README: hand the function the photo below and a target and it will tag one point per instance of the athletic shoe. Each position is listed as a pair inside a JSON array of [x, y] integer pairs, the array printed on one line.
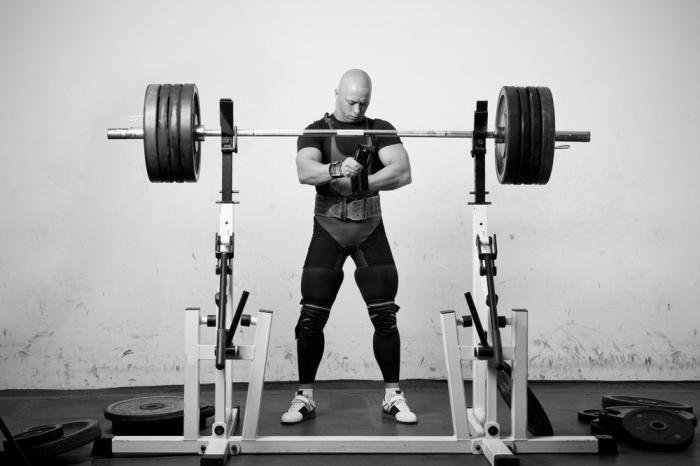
[[303, 407], [395, 405]]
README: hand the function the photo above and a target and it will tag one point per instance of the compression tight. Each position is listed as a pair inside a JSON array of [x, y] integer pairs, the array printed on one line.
[[377, 279]]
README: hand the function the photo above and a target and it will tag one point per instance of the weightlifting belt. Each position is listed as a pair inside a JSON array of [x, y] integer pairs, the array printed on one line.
[[344, 209]]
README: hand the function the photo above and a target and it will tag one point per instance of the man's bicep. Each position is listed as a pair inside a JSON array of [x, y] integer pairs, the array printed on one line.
[[394, 154], [308, 154]]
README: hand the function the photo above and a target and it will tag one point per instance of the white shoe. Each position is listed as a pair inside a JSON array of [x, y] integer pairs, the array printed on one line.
[[302, 407], [395, 405]]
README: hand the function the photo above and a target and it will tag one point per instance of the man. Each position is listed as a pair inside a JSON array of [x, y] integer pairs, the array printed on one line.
[[348, 222]]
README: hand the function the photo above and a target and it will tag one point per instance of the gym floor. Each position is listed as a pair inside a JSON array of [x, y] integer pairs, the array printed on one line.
[[352, 408]]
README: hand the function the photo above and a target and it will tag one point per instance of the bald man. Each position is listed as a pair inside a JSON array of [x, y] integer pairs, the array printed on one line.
[[348, 222]]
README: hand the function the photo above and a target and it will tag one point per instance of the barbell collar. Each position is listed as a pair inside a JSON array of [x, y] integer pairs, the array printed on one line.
[[201, 133]]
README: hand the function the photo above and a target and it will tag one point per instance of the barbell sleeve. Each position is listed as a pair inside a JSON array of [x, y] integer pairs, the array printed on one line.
[[201, 132]]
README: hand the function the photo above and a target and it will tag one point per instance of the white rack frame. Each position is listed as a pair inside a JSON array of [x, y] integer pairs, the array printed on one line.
[[474, 430]]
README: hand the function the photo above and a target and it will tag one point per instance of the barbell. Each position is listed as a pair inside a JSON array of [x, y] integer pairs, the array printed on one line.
[[524, 134]]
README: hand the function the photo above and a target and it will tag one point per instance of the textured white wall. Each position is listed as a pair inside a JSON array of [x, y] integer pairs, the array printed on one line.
[[97, 264]]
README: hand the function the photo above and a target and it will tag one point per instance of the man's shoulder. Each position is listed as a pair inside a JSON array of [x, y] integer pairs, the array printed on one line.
[[378, 123], [318, 124]]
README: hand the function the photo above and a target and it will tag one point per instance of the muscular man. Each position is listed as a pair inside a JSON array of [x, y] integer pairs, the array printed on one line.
[[348, 222]]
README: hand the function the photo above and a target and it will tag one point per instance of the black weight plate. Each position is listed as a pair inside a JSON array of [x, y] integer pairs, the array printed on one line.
[[587, 415], [507, 147], [174, 133], [172, 426], [147, 408], [524, 176], [613, 415], [658, 429], [75, 434], [535, 134], [163, 137], [38, 434], [626, 400], [189, 120], [537, 421], [151, 408], [150, 131], [547, 159]]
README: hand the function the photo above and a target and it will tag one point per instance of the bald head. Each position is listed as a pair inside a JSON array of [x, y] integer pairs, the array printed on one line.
[[352, 96]]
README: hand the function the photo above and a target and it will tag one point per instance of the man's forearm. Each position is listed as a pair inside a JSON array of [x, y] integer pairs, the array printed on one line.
[[314, 173], [388, 178]]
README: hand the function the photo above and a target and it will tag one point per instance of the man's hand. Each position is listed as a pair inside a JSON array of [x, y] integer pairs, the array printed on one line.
[[341, 186], [350, 167]]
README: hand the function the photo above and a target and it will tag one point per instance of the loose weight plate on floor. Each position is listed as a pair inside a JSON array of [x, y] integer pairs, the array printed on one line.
[[658, 429], [152, 415], [75, 434], [614, 415], [627, 400], [38, 434]]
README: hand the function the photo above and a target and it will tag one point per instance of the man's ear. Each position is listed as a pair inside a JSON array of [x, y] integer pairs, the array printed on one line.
[[336, 92]]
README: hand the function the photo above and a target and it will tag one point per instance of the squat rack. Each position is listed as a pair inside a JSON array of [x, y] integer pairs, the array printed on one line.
[[475, 430]]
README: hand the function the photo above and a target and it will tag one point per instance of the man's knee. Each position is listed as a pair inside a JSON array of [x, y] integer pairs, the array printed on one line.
[[319, 288], [383, 317]]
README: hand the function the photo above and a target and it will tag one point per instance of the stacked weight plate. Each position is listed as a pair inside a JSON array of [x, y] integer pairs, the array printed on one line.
[[152, 415], [524, 135], [645, 422], [170, 117], [44, 441]]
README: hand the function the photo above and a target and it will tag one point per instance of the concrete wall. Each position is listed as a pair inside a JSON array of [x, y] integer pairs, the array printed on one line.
[[97, 264]]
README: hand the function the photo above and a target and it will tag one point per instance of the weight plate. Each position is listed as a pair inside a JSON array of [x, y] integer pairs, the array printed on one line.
[[507, 147], [163, 138], [587, 415], [150, 131], [174, 132], [189, 120], [524, 175], [150, 408], [537, 421], [38, 434], [535, 134], [547, 159], [625, 400], [75, 434], [658, 429], [613, 415], [173, 426]]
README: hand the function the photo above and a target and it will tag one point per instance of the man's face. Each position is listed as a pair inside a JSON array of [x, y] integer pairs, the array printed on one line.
[[351, 104]]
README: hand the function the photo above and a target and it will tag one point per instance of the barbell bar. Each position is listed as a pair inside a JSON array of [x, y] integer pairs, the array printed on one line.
[[201, 133], [524, 150]]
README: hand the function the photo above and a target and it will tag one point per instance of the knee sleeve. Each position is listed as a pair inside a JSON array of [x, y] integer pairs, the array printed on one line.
[[383, 317], [378, 285], [319, 288]]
